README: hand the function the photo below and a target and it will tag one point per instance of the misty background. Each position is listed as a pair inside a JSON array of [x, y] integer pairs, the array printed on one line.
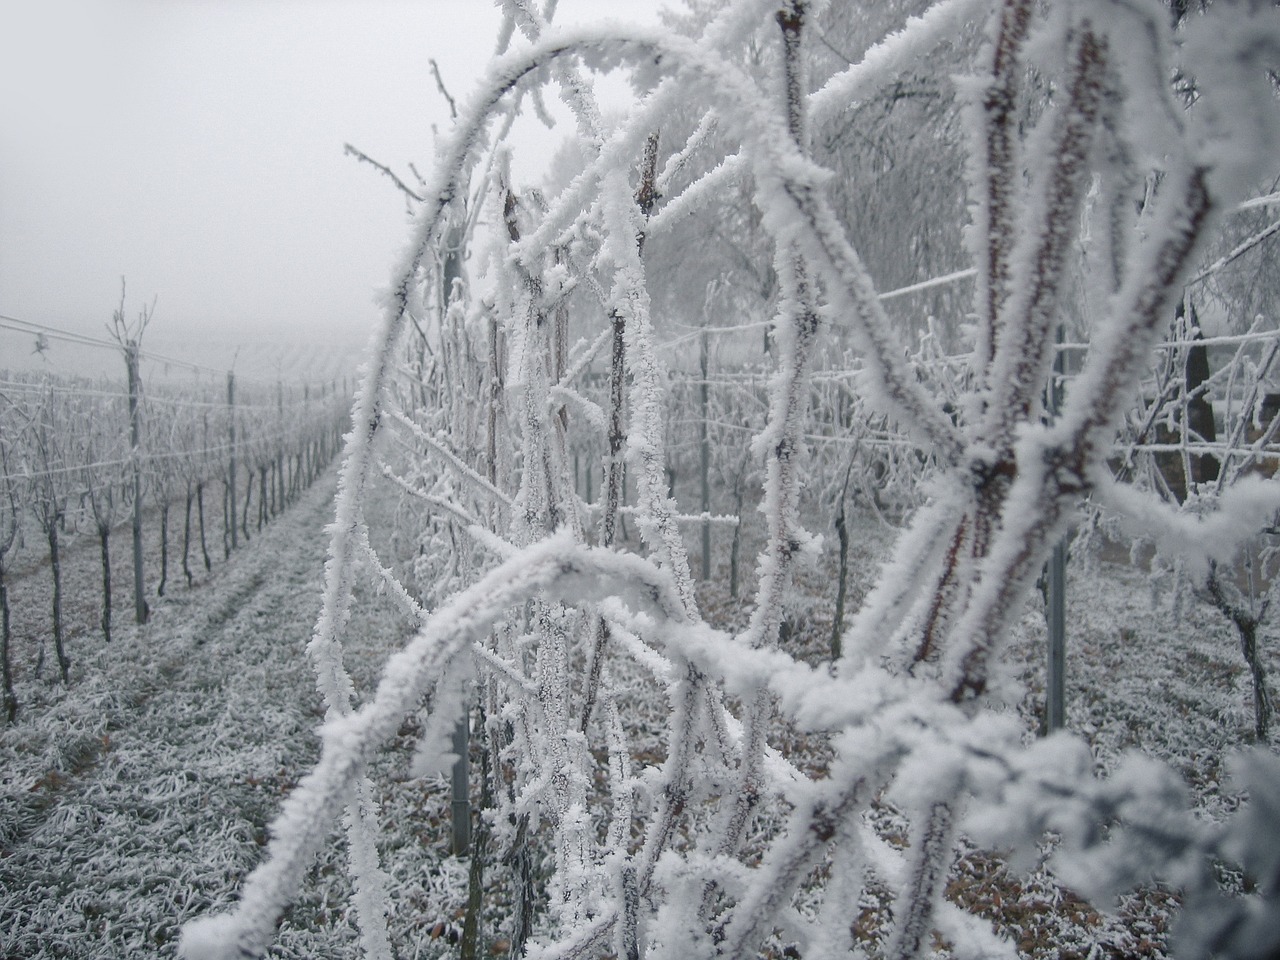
[[196, 149]]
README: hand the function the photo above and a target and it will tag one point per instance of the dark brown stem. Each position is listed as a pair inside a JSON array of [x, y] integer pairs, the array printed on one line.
[[6, 662], [164, 549], [104, 543], [186, 539]]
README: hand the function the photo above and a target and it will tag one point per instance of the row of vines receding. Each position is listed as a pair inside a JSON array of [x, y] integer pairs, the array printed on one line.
[[188, 468]]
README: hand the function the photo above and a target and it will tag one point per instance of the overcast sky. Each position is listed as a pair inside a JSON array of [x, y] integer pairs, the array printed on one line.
[[195, 148]]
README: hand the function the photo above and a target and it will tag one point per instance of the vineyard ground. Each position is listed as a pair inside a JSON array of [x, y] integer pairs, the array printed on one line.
[[139, 797]]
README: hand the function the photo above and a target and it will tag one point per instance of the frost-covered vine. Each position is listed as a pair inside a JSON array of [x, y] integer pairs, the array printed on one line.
[[633, 800]]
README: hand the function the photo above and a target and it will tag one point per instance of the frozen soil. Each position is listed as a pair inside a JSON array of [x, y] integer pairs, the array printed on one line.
[[1157, 672], [138, 798]]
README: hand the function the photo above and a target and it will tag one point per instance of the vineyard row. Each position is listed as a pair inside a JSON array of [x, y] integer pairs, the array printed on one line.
[[81, 461]]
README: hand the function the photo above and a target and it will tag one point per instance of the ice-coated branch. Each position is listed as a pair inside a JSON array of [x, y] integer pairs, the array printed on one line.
[[1053, 466], [678, 160], [786, 188], [1024, 341], [820, 816], [383, 169], [645, 443], [1234, 462], [879, 66], [796, 329], [700, 194], [555, 569], [1197, 541], [993, 171], [478, 532], [391, 582], [452, 459], [1137, 313], [854, 301], [575, 90], [729, 26], [893, 56], [1235, 253], [928, 867], [325, 647]]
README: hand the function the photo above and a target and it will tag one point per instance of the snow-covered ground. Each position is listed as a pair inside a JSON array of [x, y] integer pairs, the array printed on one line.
[[137, 799]]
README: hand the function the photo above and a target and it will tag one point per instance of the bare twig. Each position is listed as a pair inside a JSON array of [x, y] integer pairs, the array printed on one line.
[[383, 169], [453, 106]]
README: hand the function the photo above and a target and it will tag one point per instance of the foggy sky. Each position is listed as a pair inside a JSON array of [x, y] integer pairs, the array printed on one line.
[[195, 148]]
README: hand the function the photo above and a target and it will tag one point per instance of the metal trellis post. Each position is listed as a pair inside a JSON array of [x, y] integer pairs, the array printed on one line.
[[1056, 598]]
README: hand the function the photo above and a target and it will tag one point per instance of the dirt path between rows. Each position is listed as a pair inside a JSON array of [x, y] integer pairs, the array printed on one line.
[[137, 798]]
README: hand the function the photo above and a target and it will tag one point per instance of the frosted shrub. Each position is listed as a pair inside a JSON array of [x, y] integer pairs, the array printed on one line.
[[710, 841]]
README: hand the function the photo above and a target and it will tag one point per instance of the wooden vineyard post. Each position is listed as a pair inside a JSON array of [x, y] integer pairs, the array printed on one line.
[[231, 468], [140, 608], [460, 793], [704, 451], [460, 799], [8, 537], [129, 338], [1056, 683], [1055, 701]]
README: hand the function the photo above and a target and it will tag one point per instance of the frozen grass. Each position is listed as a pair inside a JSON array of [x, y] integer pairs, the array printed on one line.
[[136, 799]]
